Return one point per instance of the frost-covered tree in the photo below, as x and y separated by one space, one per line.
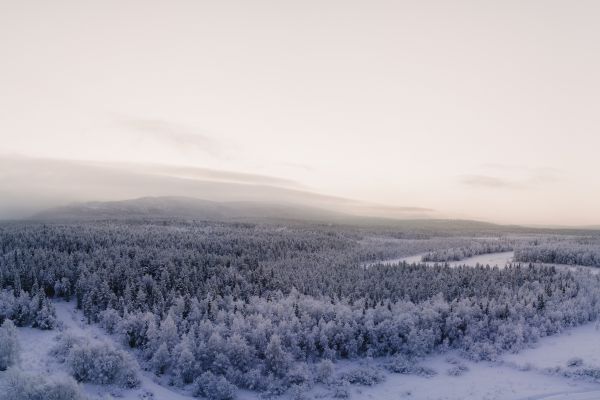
262 305
584 251
161 360
101 363
474 248
9 345
213 387
276 358
184 368
325 370
168 332
19 385
45 317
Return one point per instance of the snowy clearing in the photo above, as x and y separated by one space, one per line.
488 381
35 345
555 351
500 260
522 376
492 259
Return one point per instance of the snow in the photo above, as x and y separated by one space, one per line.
491 259
555 351
521 376
75 323
482 381
499 260
35 345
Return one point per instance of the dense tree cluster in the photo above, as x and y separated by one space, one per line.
570 252
217 306
25 309
21 385
97 362
474 248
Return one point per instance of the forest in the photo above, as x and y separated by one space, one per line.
576 251
474 248
213 307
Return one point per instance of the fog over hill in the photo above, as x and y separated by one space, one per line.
190 208
32 185
186 207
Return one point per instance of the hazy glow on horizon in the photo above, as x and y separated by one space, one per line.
483 110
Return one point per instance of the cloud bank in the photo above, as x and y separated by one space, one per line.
29 185
180 136
511 177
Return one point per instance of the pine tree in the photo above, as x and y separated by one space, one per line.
161 360
168 332
276 359
45 317
185 363
9 345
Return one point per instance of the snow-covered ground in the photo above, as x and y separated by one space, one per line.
499 260
555 351
517 376
35 345
487 381
527 375
492 259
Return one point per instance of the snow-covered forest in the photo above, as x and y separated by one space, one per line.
472 249
580 251
211 308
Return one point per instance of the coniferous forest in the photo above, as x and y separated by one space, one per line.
213 307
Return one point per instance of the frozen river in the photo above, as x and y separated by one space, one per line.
493 260
499 260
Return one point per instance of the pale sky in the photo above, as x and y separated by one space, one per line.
475 109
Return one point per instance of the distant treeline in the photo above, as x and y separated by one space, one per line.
474 248
571 252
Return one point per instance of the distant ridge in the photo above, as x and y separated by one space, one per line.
173 207
184 207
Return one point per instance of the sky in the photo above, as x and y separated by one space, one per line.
485 110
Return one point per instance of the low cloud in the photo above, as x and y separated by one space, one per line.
299 166
208 174
400 209
182 137
511 177
29 185
486 181
401 212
